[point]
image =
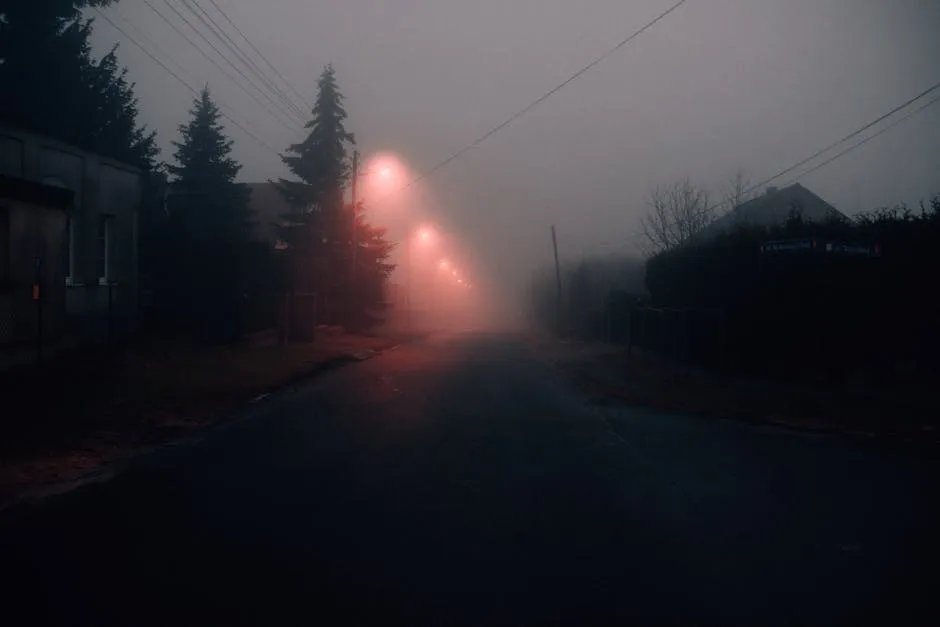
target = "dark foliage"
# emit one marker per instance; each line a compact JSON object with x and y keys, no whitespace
{"x":319,"y":230}
{"x":208,"y":201}
{"x":320,"y":162}
{"x":46,"y":62}
{"x":372,"y":272}
{"x":212,"y":279}
{"x":821,"y":311}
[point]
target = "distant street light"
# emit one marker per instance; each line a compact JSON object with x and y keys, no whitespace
{"x":385,"y":167}
{"x":386,"y":170}
{"x":426,"y":237}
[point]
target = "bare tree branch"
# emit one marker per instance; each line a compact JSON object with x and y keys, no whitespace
{"x":737,"y":191}
{"x":677,"y":214}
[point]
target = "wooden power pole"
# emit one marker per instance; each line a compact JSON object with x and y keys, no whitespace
{"x":351,"y":296}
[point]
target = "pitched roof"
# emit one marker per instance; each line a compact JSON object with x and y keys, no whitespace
{"x":773,"y":208}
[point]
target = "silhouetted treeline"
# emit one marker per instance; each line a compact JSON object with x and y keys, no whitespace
{"x":847,"y":299}
{"x":206,"y":268}
{"x":803,"y":300}
{"x":52,"y":83}
{"x":207,"y":273}
{"x":332,"y":248}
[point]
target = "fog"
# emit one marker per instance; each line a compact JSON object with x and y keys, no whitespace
{"x":716,"y":86}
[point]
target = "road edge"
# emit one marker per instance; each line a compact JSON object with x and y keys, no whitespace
{"x":596,"y":392}
{"x":106,"y":472}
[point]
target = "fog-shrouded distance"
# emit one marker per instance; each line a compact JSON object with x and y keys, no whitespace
{"x":716,"y":87}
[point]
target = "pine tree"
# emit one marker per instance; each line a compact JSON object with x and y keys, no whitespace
{"x":372,"y":273}
{"x":210,"y":223}
{"x":61,"y":90}
{"x":215,"y":206}
{"x":112,"y":127}
{"x":319,"y":231}
{"x":320,"y":161}
{"x":316,"y":223}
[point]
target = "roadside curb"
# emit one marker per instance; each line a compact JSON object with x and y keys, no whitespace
{"x":246,"y":411}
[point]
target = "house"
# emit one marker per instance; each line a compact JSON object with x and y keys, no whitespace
{"x":774,"y":208}
{"x":87,"y":246}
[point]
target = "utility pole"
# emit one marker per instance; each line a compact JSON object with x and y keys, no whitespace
{"x":355,"y":234}
{"x":558,"y":307}
{"x":408,"y":320}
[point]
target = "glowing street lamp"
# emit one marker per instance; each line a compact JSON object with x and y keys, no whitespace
{"x":386,"y":167}
{"x":386,"y":173}
{"x":425,"y":236}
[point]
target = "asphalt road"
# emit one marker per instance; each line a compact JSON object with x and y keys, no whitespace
{"x":462,"y":481}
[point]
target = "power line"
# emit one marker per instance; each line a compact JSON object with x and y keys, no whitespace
{"x":226,"y":40}
{"x":841,"y":141}
{"x":243,"y":56}
{"x":288,"y":111}
{"x":156,"y":60}
{"x":225,"y":58}
{"x":521,"y":112}
{"x":144,"y":36}
{"x":153,"y":44}
{"x":862,"y":142}
{"x":234,"y":79}
{"x":846,"y":150}
{"x":258,"y":52}
{"x":198,"y":12}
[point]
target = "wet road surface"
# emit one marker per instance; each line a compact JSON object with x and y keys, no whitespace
{"x":462,"y":481}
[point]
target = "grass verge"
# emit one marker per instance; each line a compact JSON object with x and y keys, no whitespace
{"x":81,"y":411}
{"x":612,"y":374}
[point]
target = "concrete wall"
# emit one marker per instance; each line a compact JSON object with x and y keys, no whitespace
{"x":102,"y":187}
{"x":35,"y":232}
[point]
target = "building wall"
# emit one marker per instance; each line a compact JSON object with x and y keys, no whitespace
{"x":11,"y":155}
{"x":104,"y":190}
{"x":35,"y":232}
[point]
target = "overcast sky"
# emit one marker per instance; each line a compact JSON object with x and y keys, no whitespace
{"x":717,"y":85}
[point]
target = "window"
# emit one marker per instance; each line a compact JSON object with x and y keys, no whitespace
{"x":104,"y":252}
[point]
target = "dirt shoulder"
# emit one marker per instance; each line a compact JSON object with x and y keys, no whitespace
{"x":77,"y":413}
{"x":611,"y":374}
